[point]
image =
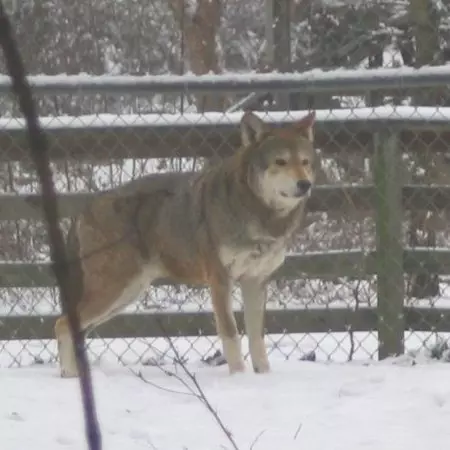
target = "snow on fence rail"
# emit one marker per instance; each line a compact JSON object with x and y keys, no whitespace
{"x":415,"y":117}
{"x":314,"y":81}
{"x":108,"y":136}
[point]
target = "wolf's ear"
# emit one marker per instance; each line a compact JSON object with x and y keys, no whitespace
{"x":306,"y":125}
{"x":252,"y":128}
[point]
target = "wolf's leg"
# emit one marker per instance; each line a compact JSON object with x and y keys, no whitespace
{"x":87,"y":316}
{"x":99,"y":303}
{"x":254,"y":298}
{"x":226,"y":325}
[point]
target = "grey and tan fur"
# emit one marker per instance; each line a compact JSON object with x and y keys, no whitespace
{"x":228,"y":223}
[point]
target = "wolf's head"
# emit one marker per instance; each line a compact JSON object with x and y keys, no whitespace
{"x":280,"y":161}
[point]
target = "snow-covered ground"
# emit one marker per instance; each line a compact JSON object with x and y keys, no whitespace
{"x":300,"y":405}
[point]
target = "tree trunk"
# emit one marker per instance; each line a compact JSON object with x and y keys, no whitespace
{"x":199,"y":23}
{"x":425,"y":25}
{"x":278,"y":44}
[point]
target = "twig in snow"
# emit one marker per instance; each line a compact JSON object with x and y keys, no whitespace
{"x":157,"y":386}
{"x":297,"y":431}
{"x":256,"y":439}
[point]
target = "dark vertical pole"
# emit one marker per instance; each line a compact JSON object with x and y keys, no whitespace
{"x":390,"y":280}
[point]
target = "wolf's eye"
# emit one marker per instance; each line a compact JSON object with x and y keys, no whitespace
{"x":280,"y":162}
{"x":305,"y":162}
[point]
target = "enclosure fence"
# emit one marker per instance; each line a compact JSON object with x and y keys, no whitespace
{"x":366,"y":275}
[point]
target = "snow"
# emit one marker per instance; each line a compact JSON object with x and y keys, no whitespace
{"x":433,"y":114}
{"x":250,"y":80}
{"x":300,"y":405}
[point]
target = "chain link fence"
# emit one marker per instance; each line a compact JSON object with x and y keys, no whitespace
{"x":340,"y":234}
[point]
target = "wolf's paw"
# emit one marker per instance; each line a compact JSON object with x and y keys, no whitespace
{"x":262,"y":367}
{"x":69,"y":372}
{"x":238,"y":367}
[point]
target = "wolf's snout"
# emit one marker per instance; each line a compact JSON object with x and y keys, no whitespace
{"x":303,"y":186}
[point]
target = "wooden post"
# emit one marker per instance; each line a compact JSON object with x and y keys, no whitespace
{"x":390,"y":281}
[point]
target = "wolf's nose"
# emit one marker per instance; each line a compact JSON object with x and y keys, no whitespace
{"x":303,"y":186}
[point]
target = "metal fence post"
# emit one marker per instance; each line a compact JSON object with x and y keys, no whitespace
{"x":390,"y":283}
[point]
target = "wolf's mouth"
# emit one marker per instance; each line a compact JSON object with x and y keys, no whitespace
{"x":296,"y":195}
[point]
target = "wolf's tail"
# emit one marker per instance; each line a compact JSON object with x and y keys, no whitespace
{"x":74,"y":258}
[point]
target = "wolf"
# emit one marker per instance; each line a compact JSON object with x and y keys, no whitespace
{"x":228,"y":223}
